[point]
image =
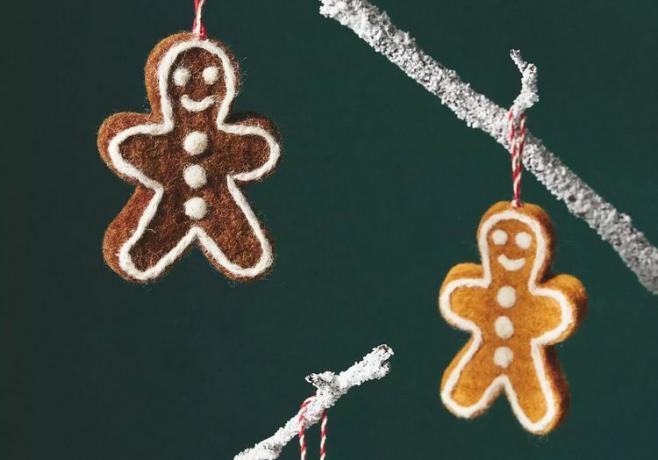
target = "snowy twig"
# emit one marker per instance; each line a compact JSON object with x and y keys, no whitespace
{"x":375,"y":27}
{"x":529,"y":93}
{"x":330,"y":388}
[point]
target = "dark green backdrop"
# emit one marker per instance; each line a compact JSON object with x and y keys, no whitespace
{"x":378,"y":195}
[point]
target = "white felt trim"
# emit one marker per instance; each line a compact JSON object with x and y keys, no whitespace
{"x":536,"y":344}
{"x":164,"y":68}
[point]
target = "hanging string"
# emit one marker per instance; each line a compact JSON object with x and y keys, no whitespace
{"x":517,"y":143}
{"x":197,"y":26}
{"x":302,"y":436}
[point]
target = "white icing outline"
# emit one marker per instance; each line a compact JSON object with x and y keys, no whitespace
{"x":155,"y":129}
{"x":536,"y":343}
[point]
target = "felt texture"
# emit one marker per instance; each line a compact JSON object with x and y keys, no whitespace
{"x":545,"y":309}
{"x":229,"y":156}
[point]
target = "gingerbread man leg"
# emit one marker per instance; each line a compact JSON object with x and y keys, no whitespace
{"x":469,"y":385}
{"x":233,"y":240}
{"x":135,"y":256}
{"x":539,"y":392}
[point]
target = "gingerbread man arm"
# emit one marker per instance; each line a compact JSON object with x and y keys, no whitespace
{"x":576,"y":299}
{"x":462,"y":295}
{"x":251,"y":147}
{"x":128,"y":144}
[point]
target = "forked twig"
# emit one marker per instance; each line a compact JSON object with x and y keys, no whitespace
{"x":529,"y":94}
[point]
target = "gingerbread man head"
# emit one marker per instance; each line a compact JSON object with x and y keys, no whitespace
{"x":186,"y":76}
{"x":515,"y":312}
{"x":516,"y":244}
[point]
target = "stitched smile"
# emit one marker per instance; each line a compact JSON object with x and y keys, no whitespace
{"x":511,"y":265}
{"x":196,"y":106}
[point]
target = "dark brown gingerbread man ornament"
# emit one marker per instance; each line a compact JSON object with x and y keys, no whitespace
{"x":187,"y":159}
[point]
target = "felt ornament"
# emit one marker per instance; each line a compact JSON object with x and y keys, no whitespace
{"x":188,"y":159}
{"x":514,"y":309}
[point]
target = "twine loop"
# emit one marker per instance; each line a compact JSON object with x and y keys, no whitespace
{"x":302,"y":436}
{"x":197,"y":26}
{"x":516,"y":135}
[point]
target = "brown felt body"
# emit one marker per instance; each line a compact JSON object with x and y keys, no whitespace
{"x":163,"y":159}
{"x":531,"y":316}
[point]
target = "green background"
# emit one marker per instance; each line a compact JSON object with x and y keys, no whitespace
{"x":378,"y":194}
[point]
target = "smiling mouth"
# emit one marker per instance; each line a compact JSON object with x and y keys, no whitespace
{"x":511,"y":265}
{"x":196,"y":106}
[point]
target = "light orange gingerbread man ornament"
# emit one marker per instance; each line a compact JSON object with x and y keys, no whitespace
{"x":515,"y":311}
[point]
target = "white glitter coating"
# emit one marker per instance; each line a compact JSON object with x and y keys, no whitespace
{"x":330,"y":388}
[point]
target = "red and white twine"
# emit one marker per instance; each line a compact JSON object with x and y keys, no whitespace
{"x":302,"y":436}
{"x":197,"y":26}
{"x":517,"y":143}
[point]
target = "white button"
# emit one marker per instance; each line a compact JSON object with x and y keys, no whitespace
{"x":196,"y":208}
{"x":503,"y":357}
{"x":506,"y":296}
{"x":504,"y":327}
{"x":195,"y":176}
{"x":195,"y":143}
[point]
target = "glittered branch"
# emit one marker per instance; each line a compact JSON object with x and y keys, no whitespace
{"x":529,"y":94}
{"x":477,"y":111}
{"x":330,"y":388}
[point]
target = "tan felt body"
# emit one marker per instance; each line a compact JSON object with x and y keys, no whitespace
{"x":530,"y":315}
